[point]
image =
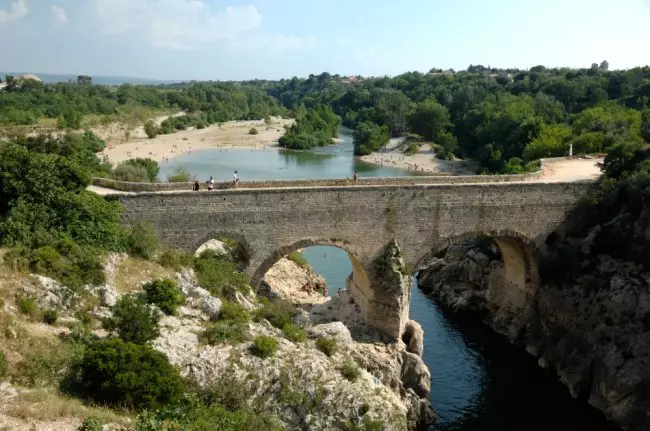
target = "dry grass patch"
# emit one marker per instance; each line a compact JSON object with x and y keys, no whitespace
{"x":48,"y":405}
{"x":131,"y":272}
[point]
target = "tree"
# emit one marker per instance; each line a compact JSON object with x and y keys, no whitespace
{"x":645,"y":125}
{"x":84,"y":80}
{"x":369,"y":137}
{"x":553,"y":141}
{"x":151,"y":129}
{"x":430,"y":120}
{"x":133,"y":320}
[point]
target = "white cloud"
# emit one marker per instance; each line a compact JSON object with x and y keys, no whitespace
{"x":178,"y":24}
{"x":16,"y":12}
{"x":59,"y":15}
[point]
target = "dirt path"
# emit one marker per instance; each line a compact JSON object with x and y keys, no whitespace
{"x":557,"y":171}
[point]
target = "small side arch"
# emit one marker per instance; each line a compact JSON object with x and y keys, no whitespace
{"x":244,"y":249}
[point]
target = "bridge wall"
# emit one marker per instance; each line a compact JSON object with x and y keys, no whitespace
{"x":423,"y":219}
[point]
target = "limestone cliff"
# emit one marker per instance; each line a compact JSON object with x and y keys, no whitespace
{"x":590,"y":319}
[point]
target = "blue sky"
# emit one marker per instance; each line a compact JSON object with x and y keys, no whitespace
{"x":244,"y":39}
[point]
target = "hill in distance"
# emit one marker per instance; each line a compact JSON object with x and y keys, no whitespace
{"x":102,"y":80}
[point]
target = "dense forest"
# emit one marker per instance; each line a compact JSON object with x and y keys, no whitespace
{"x":503,"y":118}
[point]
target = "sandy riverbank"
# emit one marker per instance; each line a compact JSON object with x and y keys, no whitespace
{"x":424,"y":161}
{"x":234,"y":134}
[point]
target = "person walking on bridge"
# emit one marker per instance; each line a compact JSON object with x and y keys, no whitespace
{"x":210,"y":183}
{"x":235,"y":180}
{"x":355,"y":177}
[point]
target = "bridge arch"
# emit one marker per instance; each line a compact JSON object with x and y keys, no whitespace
{"x":519,"y":255}
{"x":243,"y":249}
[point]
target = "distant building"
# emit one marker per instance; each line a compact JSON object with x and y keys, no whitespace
{"x":604,"y":66}
{"x":439,"y":72}
{"x":351,"y":79}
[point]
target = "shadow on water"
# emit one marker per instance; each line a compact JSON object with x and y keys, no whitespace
{"x":482,"y":382}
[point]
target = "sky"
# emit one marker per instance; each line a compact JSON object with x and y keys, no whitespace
{"x":273,"y":39}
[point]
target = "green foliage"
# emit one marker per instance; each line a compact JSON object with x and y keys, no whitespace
{"x":225,"y":332}
{"x":91,"y":423}
{"x":350,"y":370}
{"x":233,"y":312}
{"x":218,"y":276}
{"x":165,"y":294}
{"x":297,"y":258}
{"x":369,"y":137}
{"x":252,"y":131}
{"x":151,"y":129}
{"x":27,"y":305}
{"x":47,"y":366}
{"x":553,"y":141}
{"x":279,"y":313}
{"x":50,"y":316}
{"x":313,"y":128}
{"x":176,"y":259}
{"x":180,"y":175}
{"x":294,"y":333}
{"x":327,"y":345}
{"x":133,"y":320}
{"x":4,"y":365}
{"x":430,"y":120}
{"x":264,"y":346}
{"x":412,"y":148}
{"x":123,"y":374}
{"x":129,"y":173}
{"x":143,"y":240}
{"x":150,"y":167}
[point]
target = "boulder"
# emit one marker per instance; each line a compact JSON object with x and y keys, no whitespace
{"x":219,"y":247}
{"x":415,"y":374}
{"x":211,"y":306}
{"x":335,"y":330}
{"x":413,"y":337}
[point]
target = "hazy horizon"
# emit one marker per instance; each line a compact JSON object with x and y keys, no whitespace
{"x":183,"y":40}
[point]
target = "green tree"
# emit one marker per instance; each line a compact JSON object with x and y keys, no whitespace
{"x":151,"y":129}
{"x":165,"y":294}
{"x":150,"y":166}
{"x":553,"y":141}
{"x":369,"y":137}
{"x":133,"y":320}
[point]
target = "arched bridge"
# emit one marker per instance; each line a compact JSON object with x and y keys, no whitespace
{"x":422,"y":219}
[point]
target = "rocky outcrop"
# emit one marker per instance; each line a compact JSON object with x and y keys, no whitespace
{"x":296,"y":284}
{"x":589,"y":321}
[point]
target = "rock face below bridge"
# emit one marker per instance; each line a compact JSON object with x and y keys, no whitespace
{"x":592,"y":325}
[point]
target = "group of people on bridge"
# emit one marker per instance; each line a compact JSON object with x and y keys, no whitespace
{"x":210,"y":183}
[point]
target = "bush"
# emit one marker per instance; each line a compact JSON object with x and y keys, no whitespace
{"x":91,"y":423}
{"x":225,"y":332}
{"x":412,"y":148}
{"x":50,"y":317}
{"x":294,"y":333}
{"x":253,"y":131}
{"x":219,"y":277}
{"x":176,"y":260}
{"x":327,"y":345}
{"x":279,"y":313}
{"x":123,"y":374}
{"x":151,"y":129}
{"x":181,"y":175}
{"x":27,"y":305}
{"x":133,"y":320}
{"x":165,"y":294}
{"x":46,"y":364}
{"x":233,"y":312}
{"x":149,"y":165}
{"x":264,"y":346}
{"x":350,"y":370}
{"x":4,"y":365}
{"x":298,"y":259}
{"x":143,"y":241}
{"x":129,"y":173}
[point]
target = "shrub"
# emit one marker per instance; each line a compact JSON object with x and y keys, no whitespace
{"x":225,"y":332}
{"x":294,"y":333}
{"x":50,"y":317}
{"x":176,"y":260}
{"x":233,"y":312}
{"x":327,"y":345}
{"x":219,"y":277}
{"x":151,"y":129}
{"x":253,"y":131}
{"x":143,"y":241}
{"x":298,"y":259}
{"x":180,"y":175}
{"x":4,"y":365}
{"x":123,"y":374}
{"x":46,"y":364}
{"x":412,"y":148}
{"x":350,"y":370}
{"x":127,"y":172}
{"x":149,"y":165}
{"x":133,"y":320}
{"x":27,"y":305}
{"x":165,"y":294}
{"x":91,"y":423}
{"x":264,"y":346}
{"x":278,"y":313}
{"x":84,"y":317}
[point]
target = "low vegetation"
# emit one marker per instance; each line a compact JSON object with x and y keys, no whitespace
{"x":297,"y":258}
{"x":143,"y":241}
{"x":225,"y":332}
{"x":279,"y":313}
{"x":180,"y":175}
{"x":133,"y":320}
{"x":327,"y":345}
{"x":264,"y":346}
{"x":219,"y":276}
{"x":294,"y":333}
{"x":4,"y":365}
{"x":350,"y":370}
{"x":165,"y":294}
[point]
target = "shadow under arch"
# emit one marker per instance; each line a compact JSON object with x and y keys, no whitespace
{"x":243,"y":251}
{"x":359,"y":275}
{"x":520,"y":261}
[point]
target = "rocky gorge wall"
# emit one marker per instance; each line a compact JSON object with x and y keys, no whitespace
{"x":591,"y":324}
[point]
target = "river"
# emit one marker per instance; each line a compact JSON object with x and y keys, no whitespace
{"x":479,"y":381}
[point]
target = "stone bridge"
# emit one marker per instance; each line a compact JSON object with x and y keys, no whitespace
{"x":422,"y":218}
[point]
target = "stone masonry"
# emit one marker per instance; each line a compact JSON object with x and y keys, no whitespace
{"x":422,"y":219}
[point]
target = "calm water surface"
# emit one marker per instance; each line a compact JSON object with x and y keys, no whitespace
{"x":479,"y":381}
{"x":335,"y":161}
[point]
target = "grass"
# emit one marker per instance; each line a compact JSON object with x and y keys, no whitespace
{"x":297,"y":258}
{"x":294,"y":333}
{"x":27,"y":305}
{"x":350,"y":370}
{"x":327,"y":345}
{"x":48,"y":405}
{"x":225,"y":332}
{"x":264,"y":346}
{"x":233,"y":312}
{"x":133,"y":271}
{"x":278,"y":313}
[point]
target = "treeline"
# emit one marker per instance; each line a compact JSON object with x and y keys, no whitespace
{"x":503,"y":118}
{"x":25,"y":102}
{"x":313,"y":128}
